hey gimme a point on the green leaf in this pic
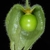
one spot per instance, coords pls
(12, 25)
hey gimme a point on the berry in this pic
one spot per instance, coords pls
(28, 22)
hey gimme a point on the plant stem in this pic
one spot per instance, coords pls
(27, 4)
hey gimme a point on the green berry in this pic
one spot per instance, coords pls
(28, 22)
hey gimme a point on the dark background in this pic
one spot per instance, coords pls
(43, 42)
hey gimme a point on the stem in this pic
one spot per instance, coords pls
(27, 4)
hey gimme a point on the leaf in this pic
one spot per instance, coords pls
(12, 24)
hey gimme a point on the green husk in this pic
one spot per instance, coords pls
(18, 38)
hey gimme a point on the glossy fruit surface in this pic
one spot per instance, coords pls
(28, 22)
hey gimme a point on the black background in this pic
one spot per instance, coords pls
(43, 42)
